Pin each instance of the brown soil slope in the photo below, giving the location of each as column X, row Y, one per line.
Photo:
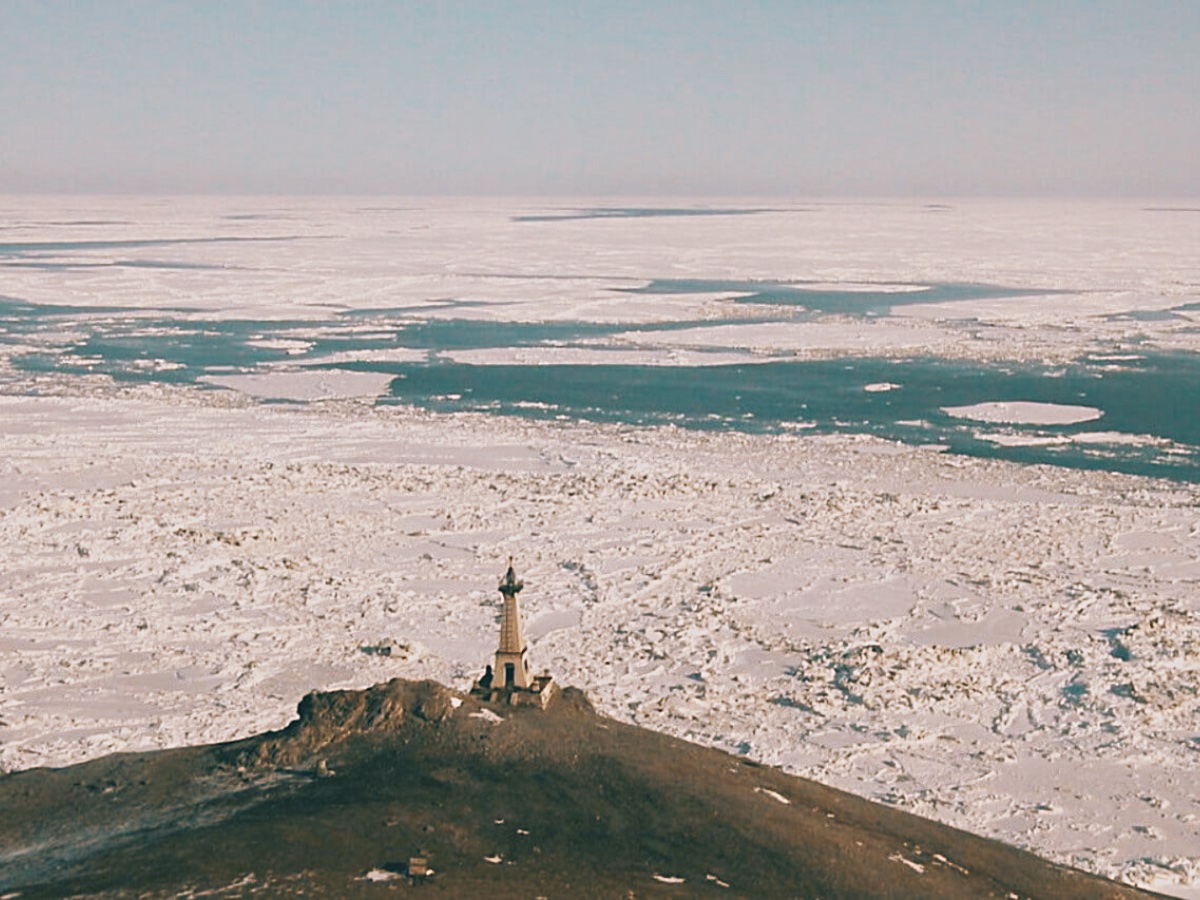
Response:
column 560, row 803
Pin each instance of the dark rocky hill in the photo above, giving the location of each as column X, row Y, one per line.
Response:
column 500, row 802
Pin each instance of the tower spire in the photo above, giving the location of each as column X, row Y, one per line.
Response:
column 512, row 640
column 512, row 657
column 511, row 682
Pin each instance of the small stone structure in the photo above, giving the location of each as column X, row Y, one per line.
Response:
column 511, row 681
column 418, row 867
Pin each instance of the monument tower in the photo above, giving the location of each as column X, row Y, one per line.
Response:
column 512, row 657
column 511, row 680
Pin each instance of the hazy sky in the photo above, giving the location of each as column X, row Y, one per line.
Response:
column 775, row 97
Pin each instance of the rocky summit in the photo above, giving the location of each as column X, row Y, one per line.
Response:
column 410, row 787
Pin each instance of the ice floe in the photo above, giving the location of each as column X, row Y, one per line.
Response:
column 1025, row 412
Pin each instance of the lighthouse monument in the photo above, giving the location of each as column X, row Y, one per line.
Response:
column 510, row 680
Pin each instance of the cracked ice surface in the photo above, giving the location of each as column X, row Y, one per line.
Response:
column 1011, row 649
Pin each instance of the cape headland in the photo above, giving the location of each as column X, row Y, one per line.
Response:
column 410, row 784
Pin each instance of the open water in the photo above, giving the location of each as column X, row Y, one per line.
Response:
column 1150, row 403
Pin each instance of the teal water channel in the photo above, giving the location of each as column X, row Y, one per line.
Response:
column 1151, row 401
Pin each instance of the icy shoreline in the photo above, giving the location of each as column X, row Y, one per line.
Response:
column 1011, row 650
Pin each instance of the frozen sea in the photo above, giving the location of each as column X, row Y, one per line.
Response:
column 741, row 364
column 898, row 495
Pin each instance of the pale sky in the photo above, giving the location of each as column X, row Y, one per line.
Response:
column 573, row 97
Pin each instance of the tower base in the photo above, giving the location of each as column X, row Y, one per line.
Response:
column 540, row 693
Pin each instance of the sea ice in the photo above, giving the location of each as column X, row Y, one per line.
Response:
column 1011, row 649
column 1021, row 411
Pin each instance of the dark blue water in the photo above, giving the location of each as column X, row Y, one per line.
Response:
column 831, row 302
column 1154, row 395
column 24, row 249
column 1157, row 395
column 637, row 212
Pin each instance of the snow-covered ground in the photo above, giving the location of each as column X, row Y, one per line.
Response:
column 1013, row 650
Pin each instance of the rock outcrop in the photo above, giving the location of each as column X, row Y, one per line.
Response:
column 334, row 717
column 408, row 778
